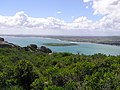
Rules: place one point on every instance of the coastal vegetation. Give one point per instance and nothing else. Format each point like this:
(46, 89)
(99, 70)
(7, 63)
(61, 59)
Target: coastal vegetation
(26, 70)
(38, 68)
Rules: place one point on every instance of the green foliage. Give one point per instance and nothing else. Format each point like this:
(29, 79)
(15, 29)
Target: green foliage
(53, 88)
(24, 73)
(24, 70)
(71, 85)
(14, 88)
(38, 84)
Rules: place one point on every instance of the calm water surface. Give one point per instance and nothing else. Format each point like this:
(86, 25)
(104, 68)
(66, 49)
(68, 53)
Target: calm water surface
(83, 47)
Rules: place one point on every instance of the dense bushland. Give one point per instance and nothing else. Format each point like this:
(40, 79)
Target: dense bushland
(24, 70)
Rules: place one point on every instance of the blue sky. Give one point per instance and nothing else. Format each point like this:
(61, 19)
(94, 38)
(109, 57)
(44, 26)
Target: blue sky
(60, 17)
(48, 8)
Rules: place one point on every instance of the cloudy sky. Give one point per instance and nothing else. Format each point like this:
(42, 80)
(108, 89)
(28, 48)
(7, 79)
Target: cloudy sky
(60, 17)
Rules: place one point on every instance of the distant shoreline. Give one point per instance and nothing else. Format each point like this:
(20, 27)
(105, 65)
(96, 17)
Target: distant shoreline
(107, 40)
(32, 35)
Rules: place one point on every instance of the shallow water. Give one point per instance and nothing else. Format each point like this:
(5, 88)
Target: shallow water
(83, 47)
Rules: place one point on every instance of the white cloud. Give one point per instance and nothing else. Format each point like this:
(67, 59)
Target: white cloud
(104, 6)
(22, 23)
(20, 19)
(111, 11)
(108, 6)
(86, 0)
(73, 17)
(87, 7)
(59, 12)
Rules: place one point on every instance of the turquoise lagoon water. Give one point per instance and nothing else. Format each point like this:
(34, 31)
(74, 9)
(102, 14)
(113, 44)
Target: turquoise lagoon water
(83, 47)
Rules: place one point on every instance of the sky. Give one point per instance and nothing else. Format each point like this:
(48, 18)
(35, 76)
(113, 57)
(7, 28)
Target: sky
(60, 17)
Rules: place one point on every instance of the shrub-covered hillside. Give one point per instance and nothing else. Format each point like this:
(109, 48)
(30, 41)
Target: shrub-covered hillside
(25, 70)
